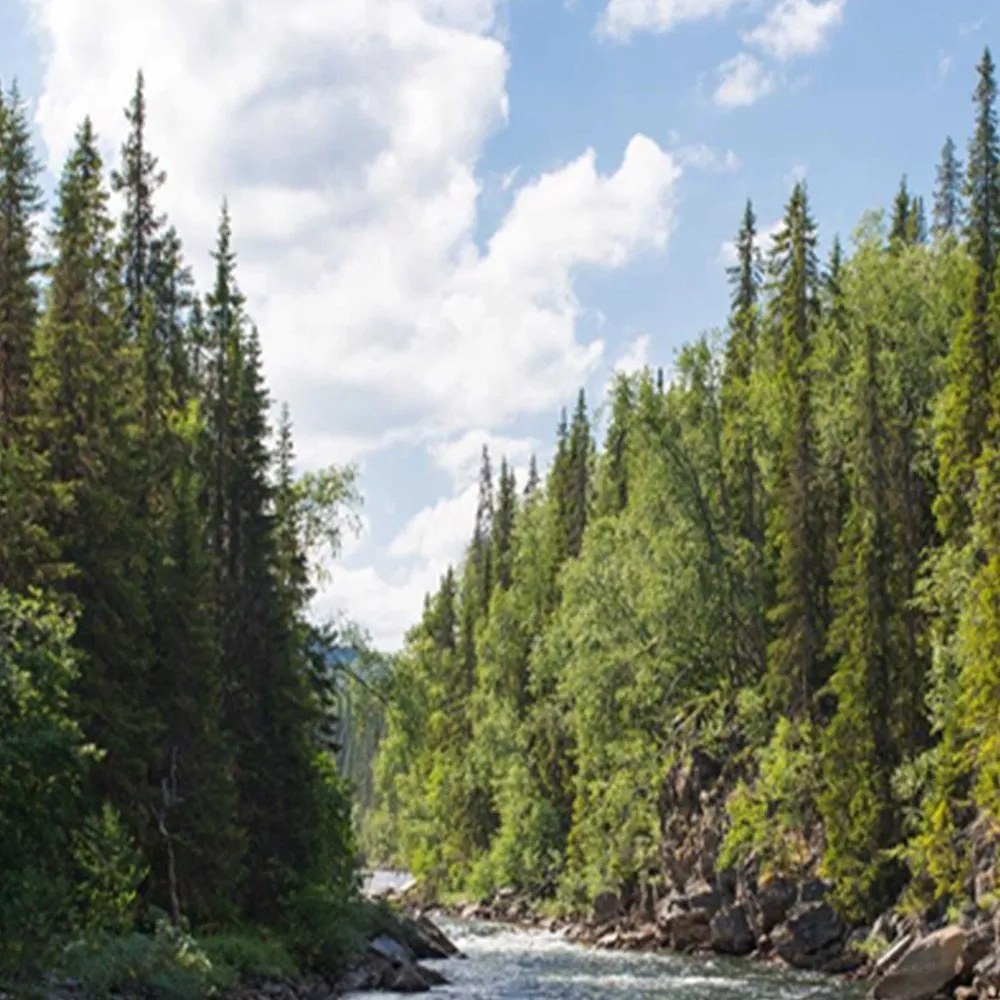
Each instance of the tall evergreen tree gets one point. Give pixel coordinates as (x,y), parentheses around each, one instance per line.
(20,202)
(85,388)
(963,410)
(796,653)
(138,178)
(948,207)
(503,527)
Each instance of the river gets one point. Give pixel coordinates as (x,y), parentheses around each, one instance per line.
(507,964)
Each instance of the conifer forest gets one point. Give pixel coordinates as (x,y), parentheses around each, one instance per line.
(776,561)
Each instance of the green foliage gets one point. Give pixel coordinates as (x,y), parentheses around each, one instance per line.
(247,954)
(43,766)
(167,746)
(772,818)
(110,872)
(167,965)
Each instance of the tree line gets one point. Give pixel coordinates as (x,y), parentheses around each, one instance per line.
(165,703)
(786,554)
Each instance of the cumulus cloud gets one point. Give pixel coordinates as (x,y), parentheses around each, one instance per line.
(797,27)
(348,137)
(623,18)
(703,157)
(742,81)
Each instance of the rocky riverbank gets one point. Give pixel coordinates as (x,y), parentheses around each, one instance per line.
(780,922)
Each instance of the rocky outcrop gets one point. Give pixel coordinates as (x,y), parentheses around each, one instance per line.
(393,956)
(811,937)
(926,967)
(731,933)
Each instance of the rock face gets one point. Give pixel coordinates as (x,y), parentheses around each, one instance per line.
(771,903)
(392,960)
(607,907)
(731,931)
(811,937)
(929,965)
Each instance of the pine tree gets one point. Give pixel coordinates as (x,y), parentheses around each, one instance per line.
(20,202)
(503,528)
(85,388)
(570,480)
(859,755)
(139,178)
(743,486)
(796,659)
(482,536)
(948,207)
(901,224)
(963,410)
(611,489)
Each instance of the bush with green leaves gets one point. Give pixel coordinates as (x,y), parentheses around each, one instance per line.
(168,964)
(43,760)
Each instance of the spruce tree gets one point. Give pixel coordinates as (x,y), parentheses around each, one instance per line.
(963,410)
(611,488)
(743,485)
(503,528)
(20,202)
(84,399)
(796,661)
(859,755)
(948,207)
(901,223)
(138,178)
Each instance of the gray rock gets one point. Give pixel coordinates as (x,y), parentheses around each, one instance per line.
(731,932)
(392,950)
(987,975)
(607,907)
(927,966)
(811,936)
(814,890)
(702,896)
(772,901)
(686,930)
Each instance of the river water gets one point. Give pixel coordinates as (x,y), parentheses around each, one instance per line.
(507,964)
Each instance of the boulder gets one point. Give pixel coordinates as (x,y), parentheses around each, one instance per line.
(391,949)
(702,896)
(986,976)
(731,932)
(813,890)
(607,907)
(811,936)
(686,930)
(926,967)
(424,938)
(771,902)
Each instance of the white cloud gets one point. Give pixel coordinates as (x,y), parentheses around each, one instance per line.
(703,157)
(743,81)
(945,65)
(623,18)
(636,356)
(348,137)
(797,27)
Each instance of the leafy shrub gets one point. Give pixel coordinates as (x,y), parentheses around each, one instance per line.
(168,965)
(110,871)
(771,819)
(43,759)
(248,954)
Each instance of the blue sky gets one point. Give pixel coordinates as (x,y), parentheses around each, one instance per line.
(451,213)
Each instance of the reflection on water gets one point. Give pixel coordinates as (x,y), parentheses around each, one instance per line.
(506,964)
